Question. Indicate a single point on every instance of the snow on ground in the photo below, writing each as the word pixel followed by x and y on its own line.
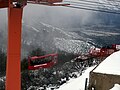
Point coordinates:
pixel 111 65
pixel 72 46
pixel 78 83
pixel 99 33
pixel 116 87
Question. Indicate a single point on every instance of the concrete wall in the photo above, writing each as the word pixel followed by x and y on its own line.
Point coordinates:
pixel 102 81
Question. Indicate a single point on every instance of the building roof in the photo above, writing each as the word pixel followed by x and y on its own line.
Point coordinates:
pixel 111 65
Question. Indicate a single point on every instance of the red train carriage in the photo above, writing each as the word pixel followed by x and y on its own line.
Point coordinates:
pixel 104 51
pixel 45 61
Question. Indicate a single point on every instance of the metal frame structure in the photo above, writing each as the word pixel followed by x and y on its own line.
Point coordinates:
pixel 13 72
pixel 15 10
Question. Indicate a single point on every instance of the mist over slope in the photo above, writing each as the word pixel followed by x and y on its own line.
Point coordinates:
pixel 62 28
pixel 51 39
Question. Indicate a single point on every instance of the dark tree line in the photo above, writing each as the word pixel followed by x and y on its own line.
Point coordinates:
pixel 2 69
pixel 64 57
pixel 2 63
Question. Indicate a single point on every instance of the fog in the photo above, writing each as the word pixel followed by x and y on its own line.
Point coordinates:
pixel 58 16
pixel 61 17
pixel 67 17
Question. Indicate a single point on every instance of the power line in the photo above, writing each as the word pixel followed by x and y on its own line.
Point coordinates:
pixel 88 5
pixel 87 2
pixel 85 8
pixel 84 5
pixel 94 6
pixel 92 2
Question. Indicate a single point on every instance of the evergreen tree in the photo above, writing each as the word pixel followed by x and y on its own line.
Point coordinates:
pixel 37 52
pixel 2 63
pixel 65 57
pixel 24 64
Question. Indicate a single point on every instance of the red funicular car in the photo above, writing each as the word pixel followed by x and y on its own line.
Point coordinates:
pixel 45 61
pixel 104 51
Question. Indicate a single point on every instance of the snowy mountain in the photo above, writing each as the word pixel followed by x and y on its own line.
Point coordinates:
pixel 52 38
pixel 74 40
pixel 62 28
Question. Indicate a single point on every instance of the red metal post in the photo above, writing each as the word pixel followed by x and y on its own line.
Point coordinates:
pixel 13 73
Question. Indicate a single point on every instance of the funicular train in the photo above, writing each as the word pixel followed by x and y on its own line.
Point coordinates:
pixel 104 51
pixel 97 53
pixel 38 62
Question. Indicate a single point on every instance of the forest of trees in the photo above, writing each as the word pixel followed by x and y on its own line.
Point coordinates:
pixel 2 69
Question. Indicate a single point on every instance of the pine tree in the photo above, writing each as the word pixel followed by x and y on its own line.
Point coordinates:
pixel 2 63
pixel 37 52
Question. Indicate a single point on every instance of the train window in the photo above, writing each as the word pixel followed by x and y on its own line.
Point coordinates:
pixel 40 61
pixel 45 61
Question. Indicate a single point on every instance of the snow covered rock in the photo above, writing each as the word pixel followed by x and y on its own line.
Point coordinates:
pixel 111 65
pixel 116 87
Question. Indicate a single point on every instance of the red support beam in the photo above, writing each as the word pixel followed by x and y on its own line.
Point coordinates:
pixel 13 73
pixel 3 3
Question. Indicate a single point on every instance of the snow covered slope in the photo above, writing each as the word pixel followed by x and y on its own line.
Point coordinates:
pixel 77 84
pixel 51 38
pixel 116 87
